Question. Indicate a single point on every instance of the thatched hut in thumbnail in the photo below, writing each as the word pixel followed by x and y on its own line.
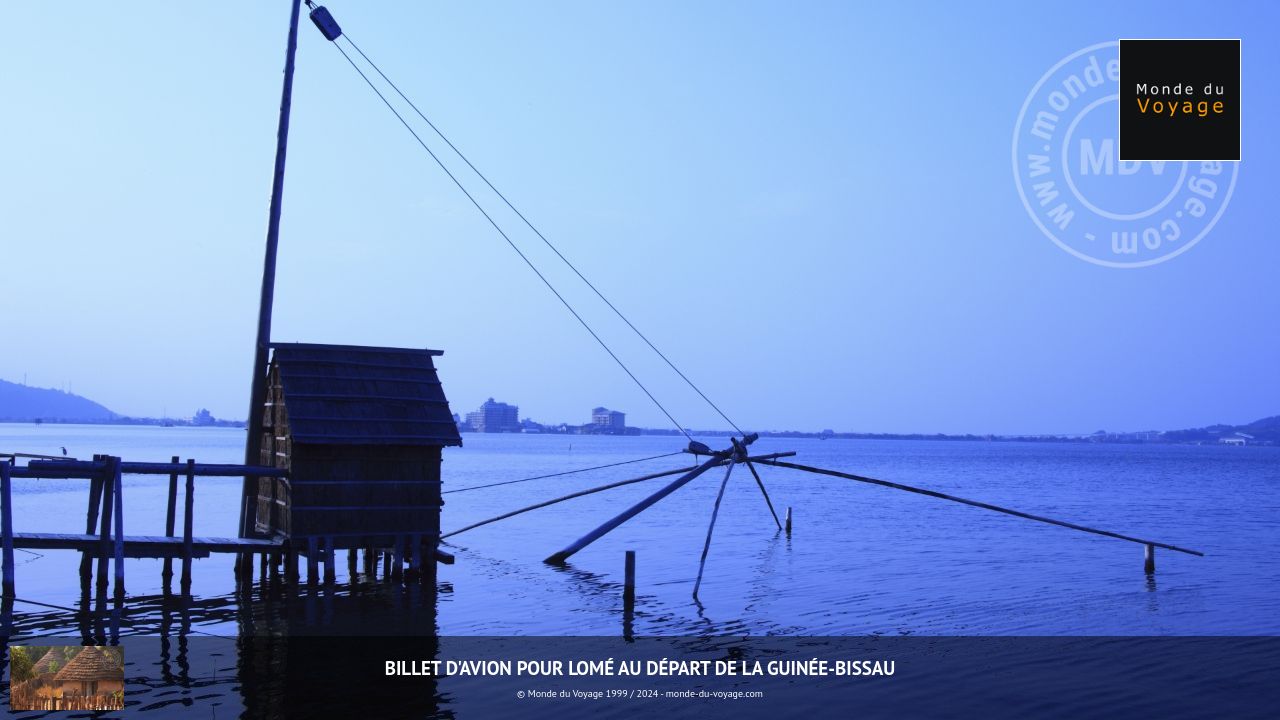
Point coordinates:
pixel 44 669
pixel 93 671
pixel 360 430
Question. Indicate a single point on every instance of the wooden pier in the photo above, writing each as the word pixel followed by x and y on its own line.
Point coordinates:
pixel 104 538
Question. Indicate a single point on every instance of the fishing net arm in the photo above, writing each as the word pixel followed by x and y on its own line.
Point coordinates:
pixel 975 503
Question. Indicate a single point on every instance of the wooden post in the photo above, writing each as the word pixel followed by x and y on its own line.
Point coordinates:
pixel 397 561
pixel 788 521
pixel 6 528
pixel 330 557
pixel 104 526
pixel 291 566
pixel 1149 560
pixel 117 483
pixel 171 518
pixel 386 564
pixel 262 348
pixel 91 520
pixel 351 564
pixel 629 583
pixel 188 523
pixel 262 566
pixel 313 574
pixel 415 557
pixel 369 561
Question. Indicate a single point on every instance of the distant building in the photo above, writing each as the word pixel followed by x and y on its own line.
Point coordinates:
pixel 495 417
pixel 607 422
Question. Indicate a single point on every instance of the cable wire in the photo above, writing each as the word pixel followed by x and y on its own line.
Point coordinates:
pixel 504 235
pixel 542 237
pixel 567 472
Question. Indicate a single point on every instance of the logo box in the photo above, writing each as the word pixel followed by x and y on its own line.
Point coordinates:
pixel 1180 100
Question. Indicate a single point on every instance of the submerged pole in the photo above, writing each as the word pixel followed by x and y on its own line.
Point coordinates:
pixel 629 583
pixel 262 344
pixel 1149 559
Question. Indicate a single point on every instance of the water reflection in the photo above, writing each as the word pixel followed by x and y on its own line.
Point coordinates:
pixel 269 649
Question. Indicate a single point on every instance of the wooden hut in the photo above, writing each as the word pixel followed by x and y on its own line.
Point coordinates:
pixel 46 669
pixel 360 430
pixel 93 671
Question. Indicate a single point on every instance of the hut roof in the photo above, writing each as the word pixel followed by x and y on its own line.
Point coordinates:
pixel 91 663
pixel 42 665
pixel 355 395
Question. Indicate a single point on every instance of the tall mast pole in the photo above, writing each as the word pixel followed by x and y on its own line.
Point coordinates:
pixel 262 346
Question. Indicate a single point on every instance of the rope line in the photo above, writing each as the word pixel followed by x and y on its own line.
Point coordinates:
pixel 504 235
pixel 559 474
pixel 542 237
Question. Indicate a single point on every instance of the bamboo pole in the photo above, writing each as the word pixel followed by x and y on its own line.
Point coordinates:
pixel 975 503
pixel 764 492
pixel 715 512
pixel 261 347
pixel 590 491
pixel 570 496
pixel 634 510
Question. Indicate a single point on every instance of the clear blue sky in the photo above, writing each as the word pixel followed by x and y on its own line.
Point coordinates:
pixel 808 205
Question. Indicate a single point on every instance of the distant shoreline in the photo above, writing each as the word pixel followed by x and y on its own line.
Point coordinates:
pixel 1213 435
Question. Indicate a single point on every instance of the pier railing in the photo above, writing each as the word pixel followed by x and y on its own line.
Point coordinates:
pixel 104 537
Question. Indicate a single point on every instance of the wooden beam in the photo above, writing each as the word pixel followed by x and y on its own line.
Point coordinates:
pixel 975 503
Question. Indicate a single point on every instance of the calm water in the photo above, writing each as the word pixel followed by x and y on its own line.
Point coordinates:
pixel 862 560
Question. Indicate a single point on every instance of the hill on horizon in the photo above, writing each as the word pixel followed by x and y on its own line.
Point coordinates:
pixel 22 403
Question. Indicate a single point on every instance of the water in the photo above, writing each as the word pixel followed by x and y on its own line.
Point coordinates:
pixel 862 560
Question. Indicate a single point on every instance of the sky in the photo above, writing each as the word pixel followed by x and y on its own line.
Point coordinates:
pixel 809 207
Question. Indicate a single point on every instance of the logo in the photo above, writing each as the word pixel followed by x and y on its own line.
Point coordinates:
pixel 1082 196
